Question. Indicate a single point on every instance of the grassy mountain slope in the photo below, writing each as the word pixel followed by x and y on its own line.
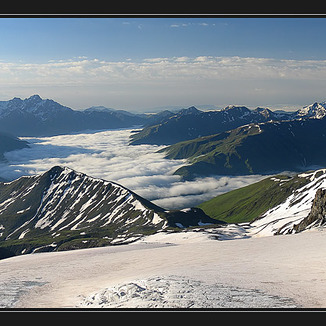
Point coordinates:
pixel 248 203
pixel 265 148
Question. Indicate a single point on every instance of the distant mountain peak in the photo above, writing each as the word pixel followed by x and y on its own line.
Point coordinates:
pixel 99 108
pixel 315 110
pixel 236 108
pixel 34 97
pixel 190 110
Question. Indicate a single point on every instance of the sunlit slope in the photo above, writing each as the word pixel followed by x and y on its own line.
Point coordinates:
pixel 267 148
pixel 250 202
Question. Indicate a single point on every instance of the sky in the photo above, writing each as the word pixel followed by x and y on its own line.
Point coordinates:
pixel 138 64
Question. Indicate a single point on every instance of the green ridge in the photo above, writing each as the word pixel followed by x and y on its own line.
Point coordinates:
pixel 250 202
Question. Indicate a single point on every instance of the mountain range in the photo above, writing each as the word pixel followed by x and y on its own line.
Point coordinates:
pixel 35 116
pixel 192 123
pixel 63 209
pixel 257 148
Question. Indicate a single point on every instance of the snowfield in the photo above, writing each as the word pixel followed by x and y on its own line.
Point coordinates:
pixel 189 269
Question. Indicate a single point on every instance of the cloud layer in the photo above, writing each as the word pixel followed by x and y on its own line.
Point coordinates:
pixel 107 155
pixel 82 69
pixel 132 84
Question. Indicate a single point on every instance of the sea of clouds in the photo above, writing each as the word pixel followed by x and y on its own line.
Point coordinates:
pixel 108 155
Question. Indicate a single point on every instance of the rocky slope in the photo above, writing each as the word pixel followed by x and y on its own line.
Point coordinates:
pixel 299 211
pixel 63 209
pixel 317 215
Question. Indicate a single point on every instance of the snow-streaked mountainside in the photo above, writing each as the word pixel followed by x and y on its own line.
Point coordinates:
pixel 283 218
pixel 279 204
pixel 34 105
pixel 64 209
pixel 314 111
pixel 87 196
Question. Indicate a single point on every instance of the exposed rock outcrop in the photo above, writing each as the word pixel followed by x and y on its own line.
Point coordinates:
pixel 317 215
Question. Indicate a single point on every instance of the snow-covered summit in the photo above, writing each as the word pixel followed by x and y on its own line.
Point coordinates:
pixel 315 111
pixel 33 105
pixel 35 116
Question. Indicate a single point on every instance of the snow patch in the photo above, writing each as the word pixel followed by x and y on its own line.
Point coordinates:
pixel 22 235
pixel 296 207
pixel 24 210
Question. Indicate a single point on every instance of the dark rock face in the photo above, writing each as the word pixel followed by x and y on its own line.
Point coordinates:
pixel 317 215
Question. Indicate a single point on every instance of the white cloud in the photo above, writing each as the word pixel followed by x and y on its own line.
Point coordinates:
pixel 177 25
pixel 192 193
pixel 153 82
pixel 180 25
pixel 95 70
pixel 107 155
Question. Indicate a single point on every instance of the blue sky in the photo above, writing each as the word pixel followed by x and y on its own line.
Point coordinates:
pixel 140 63
pixel 42 39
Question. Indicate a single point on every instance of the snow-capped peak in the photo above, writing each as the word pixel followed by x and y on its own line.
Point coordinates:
pixel 63 199
pixel 40 108
pixel 315 110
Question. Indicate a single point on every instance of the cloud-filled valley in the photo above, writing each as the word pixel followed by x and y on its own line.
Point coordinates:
pixel 107 155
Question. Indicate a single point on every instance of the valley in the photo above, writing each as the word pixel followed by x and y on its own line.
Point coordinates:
pixel 110 193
